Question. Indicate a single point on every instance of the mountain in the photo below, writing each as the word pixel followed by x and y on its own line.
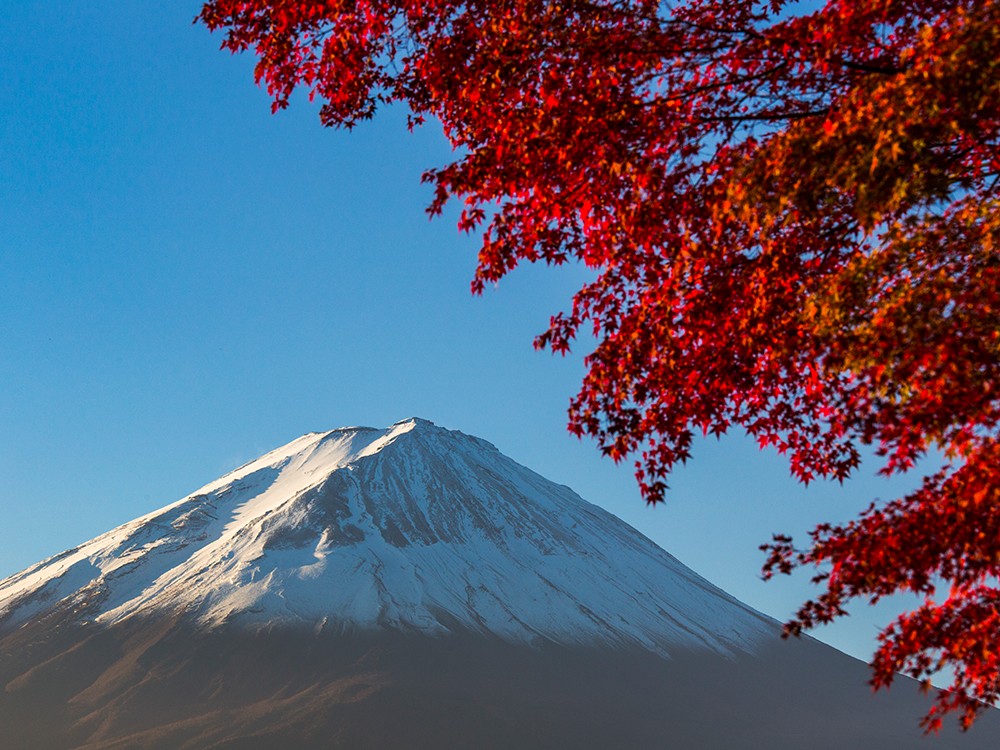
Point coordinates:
pixel 411 587
pixel 414 528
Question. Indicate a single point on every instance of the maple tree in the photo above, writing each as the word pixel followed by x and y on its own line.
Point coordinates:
pixel 791 212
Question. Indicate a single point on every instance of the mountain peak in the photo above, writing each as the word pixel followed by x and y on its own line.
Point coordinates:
pixel 416 422
pixel 411 528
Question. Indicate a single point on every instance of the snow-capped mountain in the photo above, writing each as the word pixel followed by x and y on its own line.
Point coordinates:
pixel 412 587
pixel 413 528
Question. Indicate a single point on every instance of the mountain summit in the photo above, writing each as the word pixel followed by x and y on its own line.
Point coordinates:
pixel 412 587
pixel 412 528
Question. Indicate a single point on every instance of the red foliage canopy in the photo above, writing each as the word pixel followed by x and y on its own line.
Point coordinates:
pixel 792 214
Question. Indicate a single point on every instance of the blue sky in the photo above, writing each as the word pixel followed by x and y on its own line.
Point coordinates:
pixel 189 281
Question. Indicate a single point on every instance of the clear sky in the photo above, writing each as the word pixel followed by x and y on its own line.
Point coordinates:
pixel 189 281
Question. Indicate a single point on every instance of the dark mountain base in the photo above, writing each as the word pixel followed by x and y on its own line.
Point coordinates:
pixel 160 685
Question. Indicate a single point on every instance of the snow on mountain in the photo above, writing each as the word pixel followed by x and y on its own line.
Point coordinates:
pixel 413 528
